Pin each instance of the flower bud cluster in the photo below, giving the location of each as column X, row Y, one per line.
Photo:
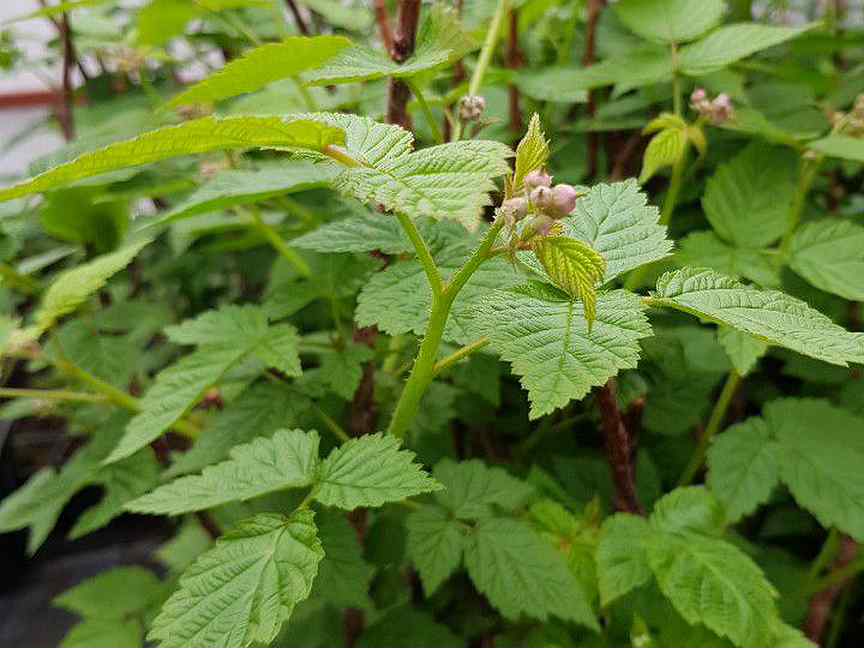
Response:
column 851, row 123
column 471, row 108
column 549, row 203
column 718, row 110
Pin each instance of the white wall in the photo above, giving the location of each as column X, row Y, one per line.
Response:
column 32, row 36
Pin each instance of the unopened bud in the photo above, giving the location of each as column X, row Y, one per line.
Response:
column 515, row 209
column 536, row 179
column 564, row 199
column 722, row 109
column 541, row 198
column 471, row 108
column 699, row 95
column 544, row 225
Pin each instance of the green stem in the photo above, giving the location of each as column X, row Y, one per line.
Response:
column 462, row 353
column 423, row 254
column 427, row 112
column 308, row 99
column 52, row 394
column 809, row 170
column 677, row 98
column 279, row 243
column 718, row 416
column 331, row 425
column 823, row 559
column 489, row 45
column 423, row 371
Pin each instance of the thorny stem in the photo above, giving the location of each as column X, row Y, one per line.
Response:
column 403, row 47
column 595, row 8
column 515, row 60
column 383, row 18
column 464, row 352
column 66, row 114
column 298, row 17
column 718, row 416
column 423, row 254
column 278, row 243
column 822, row 602
column 423, row 371
column 52, row 394
column 620, row 450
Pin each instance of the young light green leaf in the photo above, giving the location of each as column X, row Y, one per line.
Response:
column 240, row 187
column 691, row 509
column 73, row 287
column 712, row 583
column 190, row 138
column 440, row 40
column 574, row 267
column 748, row 199
column 435, row 545
column 262, row 66
column 829, row 254
column 521, row 573
column 733, row 43
column 664, row 149
column 744, row 350
column 242, row 590
column 289, row 459
column 743, row 467
column 622, row 564
column 227, row 337
column 840, row 146
column 545, row 336
column 371, row 471
column 769, row 315
column 449, row 181
column 616, row 221
column 532, row 153
column 670, row 21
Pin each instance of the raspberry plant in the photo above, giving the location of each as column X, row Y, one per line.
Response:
column 407, row 360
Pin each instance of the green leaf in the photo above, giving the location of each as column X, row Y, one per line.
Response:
column 227, row 337
column 449, row 181
column 398, row 300
column 748, row 199
column 239, row 187
column 743, row 467
column 616, row 221
column 242, row 590
column 732, row 43
column 713, row 583
column 342, row 369
column 262, row 66
column 690, row 509
column 132, row 591
column 289, row 459
column 545, row 336
column 622, row 564
column 829, row 254
column 440, row 40
column 823, row 471
column 706, row 249
column 840, row 146
column 371, row 471
column 670, row 21
column 112, row 358
column 435, row 545
column 532, row 153
column 73, row 287
column 574, row 267
column 472, row 489
column 405, row 626
column 366, row 232
column 744, row 350
column 664, row 149
column 257, row 412
column 769, row 315
column 344, row 576
column 522, row 574
column 189, row 138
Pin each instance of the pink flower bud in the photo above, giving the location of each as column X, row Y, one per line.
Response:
column 541, row 198
column 722, row 109
column 564, row 199
column 536, row 179
column 699, row 95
